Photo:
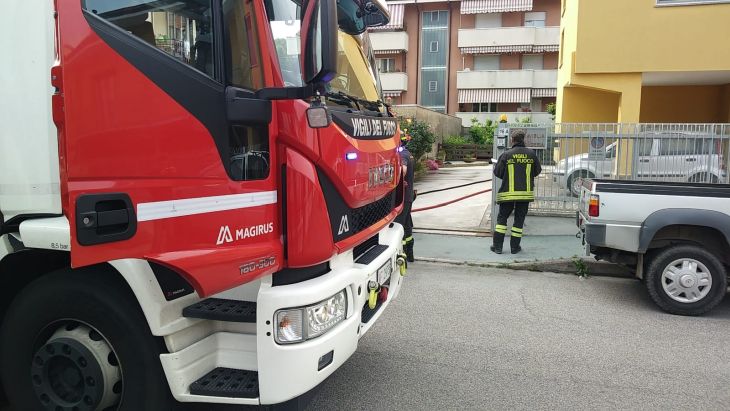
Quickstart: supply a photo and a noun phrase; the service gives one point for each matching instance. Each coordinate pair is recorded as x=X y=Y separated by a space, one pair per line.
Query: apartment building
x=649 y=61
x=471 y=58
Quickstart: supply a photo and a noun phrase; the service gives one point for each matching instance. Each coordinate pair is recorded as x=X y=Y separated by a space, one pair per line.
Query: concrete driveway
x=474 y=338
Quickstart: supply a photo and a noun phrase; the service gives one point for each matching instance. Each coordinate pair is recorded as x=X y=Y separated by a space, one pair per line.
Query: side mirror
x=319 y=38
x=376 y=13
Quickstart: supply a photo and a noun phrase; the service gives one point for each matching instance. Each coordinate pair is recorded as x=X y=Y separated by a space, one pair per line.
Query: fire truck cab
x=197 y=199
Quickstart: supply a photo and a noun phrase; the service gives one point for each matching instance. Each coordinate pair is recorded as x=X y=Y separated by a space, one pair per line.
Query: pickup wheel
x=574 y=181
x=686 y=280
x=77 y=340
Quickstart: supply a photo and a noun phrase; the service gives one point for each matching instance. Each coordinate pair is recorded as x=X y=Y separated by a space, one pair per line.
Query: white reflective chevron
x=202 y=205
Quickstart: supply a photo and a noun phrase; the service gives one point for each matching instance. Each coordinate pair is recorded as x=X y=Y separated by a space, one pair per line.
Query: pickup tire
x=77 y=339
x=686 y=280
x=573 y=188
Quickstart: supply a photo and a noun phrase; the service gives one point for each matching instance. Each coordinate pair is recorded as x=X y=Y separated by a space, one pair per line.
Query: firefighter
x=517 y=168
x=404 y=218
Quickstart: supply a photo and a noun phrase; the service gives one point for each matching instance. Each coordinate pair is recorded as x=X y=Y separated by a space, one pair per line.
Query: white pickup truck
x=676 y=236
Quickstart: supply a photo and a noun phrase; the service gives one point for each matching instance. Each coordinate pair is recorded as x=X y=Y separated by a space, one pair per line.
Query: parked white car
x=675 y=157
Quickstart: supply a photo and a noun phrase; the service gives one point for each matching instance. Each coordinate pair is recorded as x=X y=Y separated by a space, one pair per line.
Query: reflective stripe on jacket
x=517 y=168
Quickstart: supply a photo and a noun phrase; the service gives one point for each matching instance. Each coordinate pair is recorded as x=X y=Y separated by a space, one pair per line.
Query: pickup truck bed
x=676 y=235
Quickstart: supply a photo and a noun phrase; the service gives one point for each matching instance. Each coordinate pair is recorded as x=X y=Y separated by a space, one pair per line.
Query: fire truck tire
x=77 y=339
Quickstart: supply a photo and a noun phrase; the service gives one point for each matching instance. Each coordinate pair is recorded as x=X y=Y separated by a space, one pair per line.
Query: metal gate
x=640 y=151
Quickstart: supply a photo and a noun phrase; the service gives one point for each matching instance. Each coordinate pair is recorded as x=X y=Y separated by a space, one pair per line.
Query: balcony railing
x=509 y=39
x=389 y=41
x=535 y=117
x=396 y=81
x=481 y=79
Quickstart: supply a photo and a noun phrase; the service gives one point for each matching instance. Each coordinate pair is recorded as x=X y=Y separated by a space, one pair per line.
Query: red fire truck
x=197 y=199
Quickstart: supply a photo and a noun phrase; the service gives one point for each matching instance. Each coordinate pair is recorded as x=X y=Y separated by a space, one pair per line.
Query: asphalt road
x=485 y=339
x=475 y=338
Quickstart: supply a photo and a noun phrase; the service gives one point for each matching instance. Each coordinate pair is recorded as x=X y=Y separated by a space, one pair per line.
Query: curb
x=562 y=266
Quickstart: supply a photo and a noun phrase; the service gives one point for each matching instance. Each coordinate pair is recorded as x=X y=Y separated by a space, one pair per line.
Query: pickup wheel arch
x=682 y=217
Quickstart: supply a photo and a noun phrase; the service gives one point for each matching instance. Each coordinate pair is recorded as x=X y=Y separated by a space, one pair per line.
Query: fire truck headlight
x=295 y=325
x=325 y=315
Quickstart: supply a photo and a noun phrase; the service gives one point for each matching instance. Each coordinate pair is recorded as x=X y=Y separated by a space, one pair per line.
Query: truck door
x=167 y=153
x=646 y=153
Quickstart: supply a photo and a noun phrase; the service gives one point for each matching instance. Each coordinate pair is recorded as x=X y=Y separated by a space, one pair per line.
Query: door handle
x=104 y=218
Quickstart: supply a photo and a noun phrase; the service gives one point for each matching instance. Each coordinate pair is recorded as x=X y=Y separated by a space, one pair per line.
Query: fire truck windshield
x=356 y=85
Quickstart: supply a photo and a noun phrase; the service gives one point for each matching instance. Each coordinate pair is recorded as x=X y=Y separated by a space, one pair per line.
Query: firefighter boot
x=514 y=243
x=408 y=248
x=497 y=239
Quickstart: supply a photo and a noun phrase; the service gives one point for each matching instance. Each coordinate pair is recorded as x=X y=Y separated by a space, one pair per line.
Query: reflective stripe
x=516 y=196
x=502 y=229
x=516 y=229
x=529 y=177
x=516 y=235
x=511 y=172
x=408 y=238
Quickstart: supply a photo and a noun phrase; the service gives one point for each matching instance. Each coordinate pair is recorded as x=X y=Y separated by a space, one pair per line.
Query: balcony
x=389 y=42
x=392 y=82
x=509 y=39
x=536 y=117
x=506 y=79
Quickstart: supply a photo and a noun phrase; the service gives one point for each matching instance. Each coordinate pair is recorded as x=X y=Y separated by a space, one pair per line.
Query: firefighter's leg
x=517 y=227
x=505 y=209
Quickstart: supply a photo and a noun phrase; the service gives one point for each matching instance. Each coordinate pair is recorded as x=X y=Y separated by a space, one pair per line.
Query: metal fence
x=644 y=152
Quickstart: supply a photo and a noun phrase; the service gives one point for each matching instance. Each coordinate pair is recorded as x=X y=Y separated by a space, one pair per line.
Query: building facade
x=471 y=58
x=649 y=61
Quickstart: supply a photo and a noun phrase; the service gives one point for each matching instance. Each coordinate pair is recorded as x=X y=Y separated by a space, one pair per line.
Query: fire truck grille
x=370 y=214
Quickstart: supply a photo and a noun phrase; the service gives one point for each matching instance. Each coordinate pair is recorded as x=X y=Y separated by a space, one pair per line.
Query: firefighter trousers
x=505 y=210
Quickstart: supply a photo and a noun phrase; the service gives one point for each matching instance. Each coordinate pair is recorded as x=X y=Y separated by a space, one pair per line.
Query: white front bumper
x=287 y=371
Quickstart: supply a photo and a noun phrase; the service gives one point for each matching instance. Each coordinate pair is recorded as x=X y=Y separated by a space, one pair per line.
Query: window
x=688 y=2
x=488 y=20
x=249 y=153
x=676 y=147
x=536 y=105
x=433 y=47
x=532 y=62
x=486 y=62
x=535 y=19
x=180 y=28
x=386 y=65
x=485 y=107
x=243 y=67
x=433 y=86
x=644 y=146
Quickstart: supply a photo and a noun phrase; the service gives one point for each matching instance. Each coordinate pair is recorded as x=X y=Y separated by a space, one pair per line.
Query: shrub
x=456 y=141
x=432 y=165
x=422 y=137
x=482 y=133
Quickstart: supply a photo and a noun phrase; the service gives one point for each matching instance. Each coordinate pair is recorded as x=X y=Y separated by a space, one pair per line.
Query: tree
x=482 y=133
x=422 y=137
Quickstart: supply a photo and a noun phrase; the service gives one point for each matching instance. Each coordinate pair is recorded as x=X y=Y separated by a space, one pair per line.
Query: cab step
x=219 y=309
x=227 y=382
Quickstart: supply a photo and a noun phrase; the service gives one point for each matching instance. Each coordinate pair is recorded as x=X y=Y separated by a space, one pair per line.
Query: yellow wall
x=589 y=105
x=683 y=104
x=623 y=36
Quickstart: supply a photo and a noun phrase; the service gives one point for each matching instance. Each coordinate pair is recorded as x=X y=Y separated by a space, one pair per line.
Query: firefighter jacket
x=517 y=168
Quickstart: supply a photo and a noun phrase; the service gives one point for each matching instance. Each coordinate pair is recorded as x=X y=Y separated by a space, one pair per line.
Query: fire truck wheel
x=77 y=340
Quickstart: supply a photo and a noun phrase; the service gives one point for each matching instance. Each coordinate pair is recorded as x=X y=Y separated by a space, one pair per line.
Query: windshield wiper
x=344 y=99
x=355 y=102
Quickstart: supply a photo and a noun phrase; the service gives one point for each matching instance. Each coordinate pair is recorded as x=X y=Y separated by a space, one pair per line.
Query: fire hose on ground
x=415 y=210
